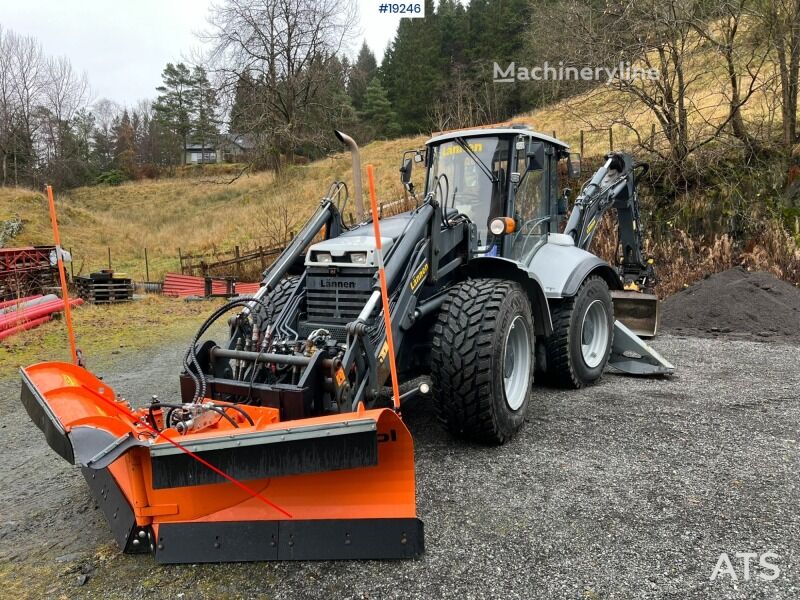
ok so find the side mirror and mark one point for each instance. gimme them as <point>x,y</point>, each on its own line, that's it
<point>405,171</point>
<point>574,165</point>
<point>563,202</point>
<point>536,156</point>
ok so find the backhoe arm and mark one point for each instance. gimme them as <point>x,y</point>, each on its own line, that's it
<point>614,185</point>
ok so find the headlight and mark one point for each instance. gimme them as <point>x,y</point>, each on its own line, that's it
<point>497,226</point>
<point>502,225</point>
<point>358,258</point>
<point>323,257</point>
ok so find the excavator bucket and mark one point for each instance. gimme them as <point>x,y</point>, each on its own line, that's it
<point>339,486</point>
<point>639,312</point>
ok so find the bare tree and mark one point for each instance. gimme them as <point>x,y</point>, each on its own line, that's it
<point>722,27</point>
<point>283,46</point>
<point>7,100</point>
<point>64,92</point>
<point>781,20</point>
<point>664,38</point>
<point>28,72</point>
<point>464,102</point>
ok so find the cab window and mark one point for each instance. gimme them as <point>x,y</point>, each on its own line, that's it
<point>531,211</point>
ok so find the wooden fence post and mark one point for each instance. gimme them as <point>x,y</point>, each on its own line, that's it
<point>146,266</point>
<point>261,256</point>
<point>109,258</point>
<point>238,264</point>
<point>180,259</point>
<point>610,139</point>
<point>581,143</point>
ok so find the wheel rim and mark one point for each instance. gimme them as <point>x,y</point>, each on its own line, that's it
<point>594,334</point>
<point>516,363</point>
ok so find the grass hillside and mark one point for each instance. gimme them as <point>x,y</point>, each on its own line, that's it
<point>200,214</point>
<point>194,214</point>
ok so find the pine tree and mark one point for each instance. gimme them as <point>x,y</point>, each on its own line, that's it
<point>361,74</point>
<point>204,109</point>
<point>412,70</point>
<point>124,146</point>
<point>243,113</point>
<point>173,107</point>
<point>377,113</point>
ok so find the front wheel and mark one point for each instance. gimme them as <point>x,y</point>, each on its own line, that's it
<point>482,360</point>
<point>583,329</point>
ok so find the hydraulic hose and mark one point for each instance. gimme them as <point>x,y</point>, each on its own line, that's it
<point>199,379</point>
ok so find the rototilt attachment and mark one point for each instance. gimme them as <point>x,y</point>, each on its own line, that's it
<point>244,487</point>
<point>631,355</point>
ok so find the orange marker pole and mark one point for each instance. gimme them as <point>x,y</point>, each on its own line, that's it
<point>62,275</point>
<point>387,320</point>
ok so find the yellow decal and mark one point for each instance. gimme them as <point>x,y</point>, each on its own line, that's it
<point>384,351</point>
<point>69,381</point>
<point>450,150</point>
<point>419,277</point>
<point>590,226</point>
<point>340,376</point>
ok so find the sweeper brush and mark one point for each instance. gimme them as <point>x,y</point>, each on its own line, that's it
<point>287,441</point>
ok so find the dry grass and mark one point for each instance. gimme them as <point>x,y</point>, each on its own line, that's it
<point>102,331</point>
<point>682,259</point>
<point>194,214</point>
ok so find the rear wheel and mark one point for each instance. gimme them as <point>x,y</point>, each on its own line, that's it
<point>482,360</point>
<point>583,329</point>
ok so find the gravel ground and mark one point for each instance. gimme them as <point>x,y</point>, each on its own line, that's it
<point>629,489</point>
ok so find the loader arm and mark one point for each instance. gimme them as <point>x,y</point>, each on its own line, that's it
<point>325,351</point>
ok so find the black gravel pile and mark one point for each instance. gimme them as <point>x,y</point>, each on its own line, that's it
<point>736,303</point>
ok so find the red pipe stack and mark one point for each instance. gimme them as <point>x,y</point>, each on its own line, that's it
<point>188,285</point>
<point>28,314</point>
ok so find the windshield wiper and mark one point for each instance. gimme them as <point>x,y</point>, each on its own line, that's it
<point>465,147</point>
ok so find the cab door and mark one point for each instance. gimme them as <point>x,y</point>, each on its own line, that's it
<point>530,200</point>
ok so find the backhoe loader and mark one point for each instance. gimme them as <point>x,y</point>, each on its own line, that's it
<point>287,441</point>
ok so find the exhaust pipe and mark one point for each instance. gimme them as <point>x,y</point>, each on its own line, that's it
<point>356,155</point>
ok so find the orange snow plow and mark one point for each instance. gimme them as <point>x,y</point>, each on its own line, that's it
<point>242,485</point>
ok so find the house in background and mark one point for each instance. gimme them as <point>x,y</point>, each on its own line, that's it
<point>197,153</point>
<point>229,148</point>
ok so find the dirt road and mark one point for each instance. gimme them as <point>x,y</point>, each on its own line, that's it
<point>630,489</point>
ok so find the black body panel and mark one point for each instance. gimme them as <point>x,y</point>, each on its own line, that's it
<point>237,541</point>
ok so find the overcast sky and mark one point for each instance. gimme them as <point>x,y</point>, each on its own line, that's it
<point>123,45</point>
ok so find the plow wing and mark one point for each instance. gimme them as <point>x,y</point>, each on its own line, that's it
<point>332,487</point>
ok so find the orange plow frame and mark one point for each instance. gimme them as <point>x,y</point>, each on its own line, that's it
<point>332,487</point>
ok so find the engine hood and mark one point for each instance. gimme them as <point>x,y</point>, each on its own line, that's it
<point>358,239</point>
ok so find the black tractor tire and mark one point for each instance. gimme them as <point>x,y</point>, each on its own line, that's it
<point>468,359</point>
<point>276,299</point>
<point>566,365</point>
<point>281,294</point>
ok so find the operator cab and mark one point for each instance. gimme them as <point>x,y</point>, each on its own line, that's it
<point>504,180</point>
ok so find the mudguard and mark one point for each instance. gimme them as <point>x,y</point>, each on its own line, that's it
<point>562,268</point>
<point>515,271</point>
